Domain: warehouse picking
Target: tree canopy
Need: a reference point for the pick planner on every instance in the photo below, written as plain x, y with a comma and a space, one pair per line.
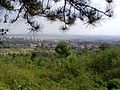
63, 49
67, 12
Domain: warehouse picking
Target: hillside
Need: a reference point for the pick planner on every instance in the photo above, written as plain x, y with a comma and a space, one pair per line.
85, 70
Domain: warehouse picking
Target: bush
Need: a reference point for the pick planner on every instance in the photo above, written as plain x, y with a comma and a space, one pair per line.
113, 84
105, 60
63, 49
104, 46
33, 55
88, 71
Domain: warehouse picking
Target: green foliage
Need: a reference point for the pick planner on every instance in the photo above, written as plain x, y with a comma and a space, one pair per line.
104, 46
90, 70
34, 54
114, 84
63, 49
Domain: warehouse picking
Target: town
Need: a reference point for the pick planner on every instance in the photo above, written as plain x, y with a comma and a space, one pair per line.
76, 44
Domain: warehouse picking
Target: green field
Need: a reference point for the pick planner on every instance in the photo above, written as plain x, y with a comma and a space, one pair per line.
86, 70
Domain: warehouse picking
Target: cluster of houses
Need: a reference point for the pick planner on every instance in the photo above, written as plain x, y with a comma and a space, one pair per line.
50, 44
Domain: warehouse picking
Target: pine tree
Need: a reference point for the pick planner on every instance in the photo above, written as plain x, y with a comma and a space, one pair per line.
68, 12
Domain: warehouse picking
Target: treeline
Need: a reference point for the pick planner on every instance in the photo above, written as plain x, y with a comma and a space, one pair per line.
61, 70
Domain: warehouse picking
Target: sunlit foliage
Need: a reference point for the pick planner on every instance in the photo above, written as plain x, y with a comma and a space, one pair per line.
90, 70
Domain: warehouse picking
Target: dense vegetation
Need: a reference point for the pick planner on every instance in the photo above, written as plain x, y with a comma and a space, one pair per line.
87, 70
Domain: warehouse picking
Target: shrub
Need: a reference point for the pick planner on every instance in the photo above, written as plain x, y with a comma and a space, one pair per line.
63, 49
104, 46
33, 55
113, 84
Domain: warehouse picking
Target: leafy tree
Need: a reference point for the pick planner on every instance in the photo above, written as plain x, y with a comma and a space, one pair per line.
63, 49
113, 84
104, 46
67, 12
33, 55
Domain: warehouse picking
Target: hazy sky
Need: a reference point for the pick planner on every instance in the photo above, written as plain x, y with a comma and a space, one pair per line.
108, 26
